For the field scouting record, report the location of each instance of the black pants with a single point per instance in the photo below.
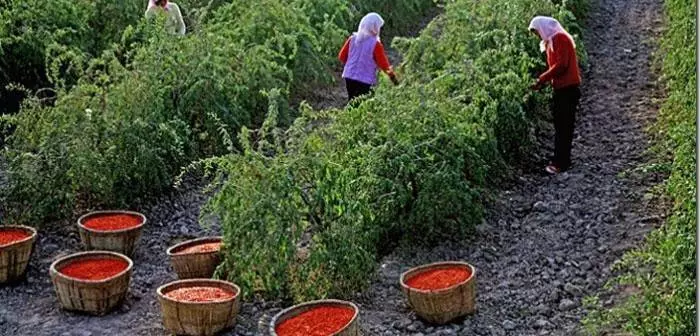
(356, 89)
(564, 108)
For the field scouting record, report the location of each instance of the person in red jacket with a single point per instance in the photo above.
(362, 54)
(564, 76)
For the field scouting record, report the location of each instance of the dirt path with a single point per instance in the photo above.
(550, 241)
(546, 243)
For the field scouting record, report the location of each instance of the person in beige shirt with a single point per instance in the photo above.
(174, 23)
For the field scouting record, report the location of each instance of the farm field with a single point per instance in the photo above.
(239, 129)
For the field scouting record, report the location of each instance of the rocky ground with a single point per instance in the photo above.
(547, 242)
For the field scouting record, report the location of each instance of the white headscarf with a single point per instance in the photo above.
(370, 25)
(547, 27)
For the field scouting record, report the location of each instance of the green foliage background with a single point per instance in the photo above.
(308, 210)
(46, 41)
(128, 115)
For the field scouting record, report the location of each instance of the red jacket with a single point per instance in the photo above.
(563, 66)
(379, 56)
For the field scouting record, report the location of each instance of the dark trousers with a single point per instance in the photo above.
(564, 108)
(356, 89)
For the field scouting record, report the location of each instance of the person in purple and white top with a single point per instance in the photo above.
(363, 54)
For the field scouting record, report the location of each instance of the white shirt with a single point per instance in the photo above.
(174, 23)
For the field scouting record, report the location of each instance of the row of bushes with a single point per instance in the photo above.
(38, 37)
(123, 124)
(664, 268)
(40, 41)
(307, 211)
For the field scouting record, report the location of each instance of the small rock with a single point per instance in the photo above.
(586, 266)
(551, 262)
(564, 274)
(542, 309)
(566, 305)
(557, 208)
(543, 324)
(573, 290)
(184, 230)
(540, 206)
(490, 257)
(412, 327)
(403, 323)
(50, 248)
(509, 325)
(553, 296)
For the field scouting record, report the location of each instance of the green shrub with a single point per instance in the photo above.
(46, 43)
(399, 16)
(307, 211)
(664, 268)
(157, 102)
(37, 34)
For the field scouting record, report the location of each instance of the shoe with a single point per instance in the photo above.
(552, 169)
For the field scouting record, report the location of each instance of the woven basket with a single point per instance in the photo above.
(15, 256)
(351, 329)
(120, 241)
(444, 305)
(96, 297)
(198, 318)
(195, 265)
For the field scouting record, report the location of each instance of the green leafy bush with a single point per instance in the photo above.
(308, 210)
(157, 102)
(46, 43)
(35, 34)
(664, 268)
(399, 16)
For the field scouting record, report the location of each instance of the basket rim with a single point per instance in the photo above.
(171, 250)
(402, 279)
(102, 212)
(273, 322)
(162, 296)
(78, 255)
(31, 237)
